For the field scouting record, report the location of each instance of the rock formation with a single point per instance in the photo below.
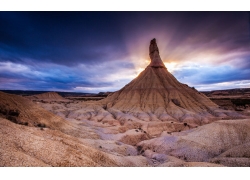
(224, 142)
(155, 55)
(22, 111)
(49, 96)
(152, 121)
(156, 95)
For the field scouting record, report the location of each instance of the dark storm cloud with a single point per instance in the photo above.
(51, 77)
(210, 75)
(216, 40)
(78, 50)
(185, 34)
(61, 37)
(249, 23)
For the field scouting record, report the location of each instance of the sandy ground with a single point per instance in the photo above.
(71, 140)
(152, 121)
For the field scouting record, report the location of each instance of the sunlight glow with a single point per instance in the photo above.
(138, 71)
(171, 66)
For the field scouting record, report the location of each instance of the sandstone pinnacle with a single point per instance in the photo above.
(156, 95)
(154, 55)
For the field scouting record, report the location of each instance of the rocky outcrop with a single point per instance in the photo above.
(221, 142)
(155, 55)
(48, 97)
(22, 111)
(156, 95)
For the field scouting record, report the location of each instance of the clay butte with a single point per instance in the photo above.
(157, 95)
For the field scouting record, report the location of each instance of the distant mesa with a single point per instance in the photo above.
(48, 96)
(104, 93)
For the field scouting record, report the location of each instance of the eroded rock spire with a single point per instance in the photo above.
(154, 55)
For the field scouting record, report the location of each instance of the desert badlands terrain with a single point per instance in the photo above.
(153, 121)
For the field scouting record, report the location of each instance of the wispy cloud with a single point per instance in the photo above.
(103, 51)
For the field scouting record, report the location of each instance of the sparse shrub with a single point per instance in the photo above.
(136, 130)
(172, 122)
(3, 111)
(23, 123)
(139, 148)
(145, 132)
(41, 125)
(179, 130)
(14, 113)
(185, 124)
(217, 161)
(12, 119)
(245, 156)
(100, 147)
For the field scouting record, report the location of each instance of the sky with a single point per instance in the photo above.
(103, 51)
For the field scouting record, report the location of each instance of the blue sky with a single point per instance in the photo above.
(103, 51)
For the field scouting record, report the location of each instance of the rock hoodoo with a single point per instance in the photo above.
(157, 95)
(154, 55)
